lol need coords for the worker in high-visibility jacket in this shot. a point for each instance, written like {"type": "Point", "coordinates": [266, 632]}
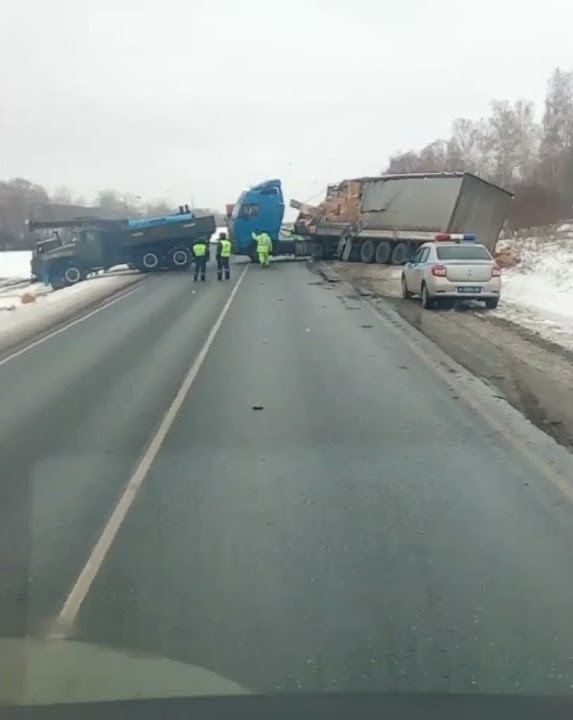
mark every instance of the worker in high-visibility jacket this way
{"type": "Point", "coordinates": [200, 257]}
{"type": "Point", "coordinates": [264, 248]}
{"type": "Point", "coordinates": [224, 247]}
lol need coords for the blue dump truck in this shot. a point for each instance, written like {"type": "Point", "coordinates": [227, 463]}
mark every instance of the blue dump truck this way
{"type": "Point", "coordinates": [87, 245]}
{"type": "Point", "coordinates": [380, 219]}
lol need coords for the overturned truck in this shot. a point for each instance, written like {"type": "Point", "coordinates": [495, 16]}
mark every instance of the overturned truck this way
{"type": "Point", "coordinates": [93, 244]}
{"type": "Point", "coordinates": [384, 219]}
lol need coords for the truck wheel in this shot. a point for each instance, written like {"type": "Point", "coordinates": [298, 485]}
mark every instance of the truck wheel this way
{"type": "Point", "coordinates": [57, 282]}
{"type": "Point", "coordinates": [400, 254]}
{"type": "Point", "coordinates": [427, 299]}
{"type": "Point", "coordinates": [367, 251]}
{"type": "Point", "coordinates": [383, 252]}
{"type": "Point", "coordinates": [149, 261]}
{"type": "Point", "coordinates": [179, 258]}
{"type": "Point", "coordinates": [73, 274]}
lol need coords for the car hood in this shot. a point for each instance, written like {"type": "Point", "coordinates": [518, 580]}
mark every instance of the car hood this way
{"type": "Point", "coordinates": [36, 671]}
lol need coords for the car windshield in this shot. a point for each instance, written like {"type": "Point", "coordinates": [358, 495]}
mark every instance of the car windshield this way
{"type": "Point", "coordinates": [463, 252]}
{"type": "Point", "coordinates": [266, 426]}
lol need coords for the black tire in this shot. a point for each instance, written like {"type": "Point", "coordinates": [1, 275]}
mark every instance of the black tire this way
{"type": "Point", "coordinates": [383, 252]}
{"type": "Point", "coordinates": [57, 282]}
{"type": "Point", "coordinates": [491, 303]}
{"type": "Point", "coordinates": [367, 251]}
{"type": "Point", "coordinates": [179, 258]}
{"type": "Point", "coordinates": [428, 302]}
{"type": "Point", "coordinates": [149, 261]}
{"type": "Point", "coordinates": [400, 254]}
{"type": "Point", "coordinates": [73, 273]}
{"type": "Point", "coordinates": [406, 294]}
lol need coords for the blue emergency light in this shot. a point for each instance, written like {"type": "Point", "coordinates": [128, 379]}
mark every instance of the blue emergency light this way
{"type": "Point", "coordinates": [456, 237]}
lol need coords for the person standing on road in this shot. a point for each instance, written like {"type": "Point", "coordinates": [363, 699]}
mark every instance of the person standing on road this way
{"type": "Point", "coordinates": [200, 256]}
{"type": "Point", "coordinates": [264, 248]}
{"type": "Point", "coordinates": [224, 247]}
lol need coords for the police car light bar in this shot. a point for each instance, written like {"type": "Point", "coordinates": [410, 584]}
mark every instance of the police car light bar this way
{"type": "Point", "coordinates": [456, 237]}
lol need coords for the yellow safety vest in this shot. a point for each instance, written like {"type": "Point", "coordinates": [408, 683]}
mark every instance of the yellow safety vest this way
{"type": "Point", "coordinates": [226, 247]}
{"type": "Point", "coordinates": [200, 249]}
{"type": "Point", "coordinates": [264, 242]}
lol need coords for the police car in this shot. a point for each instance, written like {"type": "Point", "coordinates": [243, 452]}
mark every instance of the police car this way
{"type": "Point", "coordinates": [452, 267]}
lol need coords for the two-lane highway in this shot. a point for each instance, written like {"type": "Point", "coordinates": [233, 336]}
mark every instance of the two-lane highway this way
{"type": "Point", "coordinates": [365, 529]}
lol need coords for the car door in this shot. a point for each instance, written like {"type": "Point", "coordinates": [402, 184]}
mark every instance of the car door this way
{"type": "Point", "coordinates": [414, 271]}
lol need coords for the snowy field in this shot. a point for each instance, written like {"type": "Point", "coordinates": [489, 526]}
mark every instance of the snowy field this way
{"type": "Point", "coordinates": [538, 293]}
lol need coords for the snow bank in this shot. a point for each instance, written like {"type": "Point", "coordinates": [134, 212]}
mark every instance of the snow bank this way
{"type": "Point", "coordinates": [15, 265]}
{"type": "Point", "coordinates": [538, 293]}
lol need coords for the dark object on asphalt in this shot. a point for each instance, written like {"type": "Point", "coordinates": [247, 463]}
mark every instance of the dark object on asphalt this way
{"type": "Point", "coordinates": [366, 327]}
{"type": "Point", "coordinates": [257, 407]}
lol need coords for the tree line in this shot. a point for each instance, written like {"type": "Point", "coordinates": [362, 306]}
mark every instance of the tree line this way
{"type": "Point", "coordinates": [21, 199]}
{"type": "Point", "coordinates": [534, 159]}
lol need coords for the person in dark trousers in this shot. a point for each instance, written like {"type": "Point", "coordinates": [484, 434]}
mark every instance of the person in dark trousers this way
{"type": "Point", "coordinates": [224, 247]}
{"type": "Point", "coordinates": [200, 256]}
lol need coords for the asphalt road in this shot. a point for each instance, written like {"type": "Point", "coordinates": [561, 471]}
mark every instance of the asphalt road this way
{"type": "Point", "coordinates": [365, 530]}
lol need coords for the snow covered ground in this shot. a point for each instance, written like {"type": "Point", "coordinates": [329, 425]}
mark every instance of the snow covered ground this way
{"type": "Point", "coordinates": [538, 293]}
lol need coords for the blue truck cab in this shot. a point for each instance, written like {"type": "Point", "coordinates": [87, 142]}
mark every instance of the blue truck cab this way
{"type": "Point", "coordinates": [261, 208]}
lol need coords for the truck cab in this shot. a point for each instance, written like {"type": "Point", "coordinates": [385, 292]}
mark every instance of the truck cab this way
{"type": "Point", "coordinates": [261, 208]}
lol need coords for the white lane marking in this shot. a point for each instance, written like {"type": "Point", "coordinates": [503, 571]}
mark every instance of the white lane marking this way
{"type": "Point", "coordinates": [69, 325]}
{"type": "Point", "coordinates": [73, 603]}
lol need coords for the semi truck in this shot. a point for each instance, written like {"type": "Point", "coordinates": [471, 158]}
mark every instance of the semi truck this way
{"type": "Point", "coordinates": [380, 219]}
{"type": "Point", "coordinates": [92, 244]}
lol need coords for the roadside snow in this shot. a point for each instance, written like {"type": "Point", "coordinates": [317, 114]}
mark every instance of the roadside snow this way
{"type": "Point", "coordinates": [15, 265]}
{"type": "Point", "coordinates": [538, 293]}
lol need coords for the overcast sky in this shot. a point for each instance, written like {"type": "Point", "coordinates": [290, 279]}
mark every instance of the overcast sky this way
{"type": "Point", "coordinates": [201, 98]}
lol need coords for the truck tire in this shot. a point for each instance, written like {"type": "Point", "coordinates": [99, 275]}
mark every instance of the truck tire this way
{"type": "Point", "coordinates": [367, 251]}
{"type": "Point", "coordinates": [383, 252]}
{"type": "Point", "coordinates": [179, 258]}
{"type": "Point", "coordinates": [57, 281]}
{"type": "Point", "coordinates": [73, 273]}
{"type": "Point", "coordinates": [428, 302]}
{"type": "Point", "coordinates": [149, 261]}
{"type": "Point", "coordinates": [400, 254]}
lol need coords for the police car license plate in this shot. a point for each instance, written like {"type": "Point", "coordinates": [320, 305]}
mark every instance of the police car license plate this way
{"type": "Point", "coordinates": [469, 290]}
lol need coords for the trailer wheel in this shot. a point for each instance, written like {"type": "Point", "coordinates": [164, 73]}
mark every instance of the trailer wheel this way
{"type": "Point", "coordinates": [179, 258]}
{"type": "Point", "coordinates": [73, 273]}
{"type": "Point", "coordinates": [149, 261]}
{"type": "Point", "coordinates": [383, 252]}
{"type": "Point", "coordinates": [400, 254]}
{"type": "Point", "coordinates": [367, 251]}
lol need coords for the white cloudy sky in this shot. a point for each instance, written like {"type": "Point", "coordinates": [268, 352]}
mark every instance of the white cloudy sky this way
{"type": "Point", "coordinates": [181, 98]}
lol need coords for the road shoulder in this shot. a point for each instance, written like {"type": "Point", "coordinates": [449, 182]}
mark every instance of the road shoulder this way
{"type": "Point", "coordinates": [533, 375]}
{"type": "Point", "coordinates": [38, 322]}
